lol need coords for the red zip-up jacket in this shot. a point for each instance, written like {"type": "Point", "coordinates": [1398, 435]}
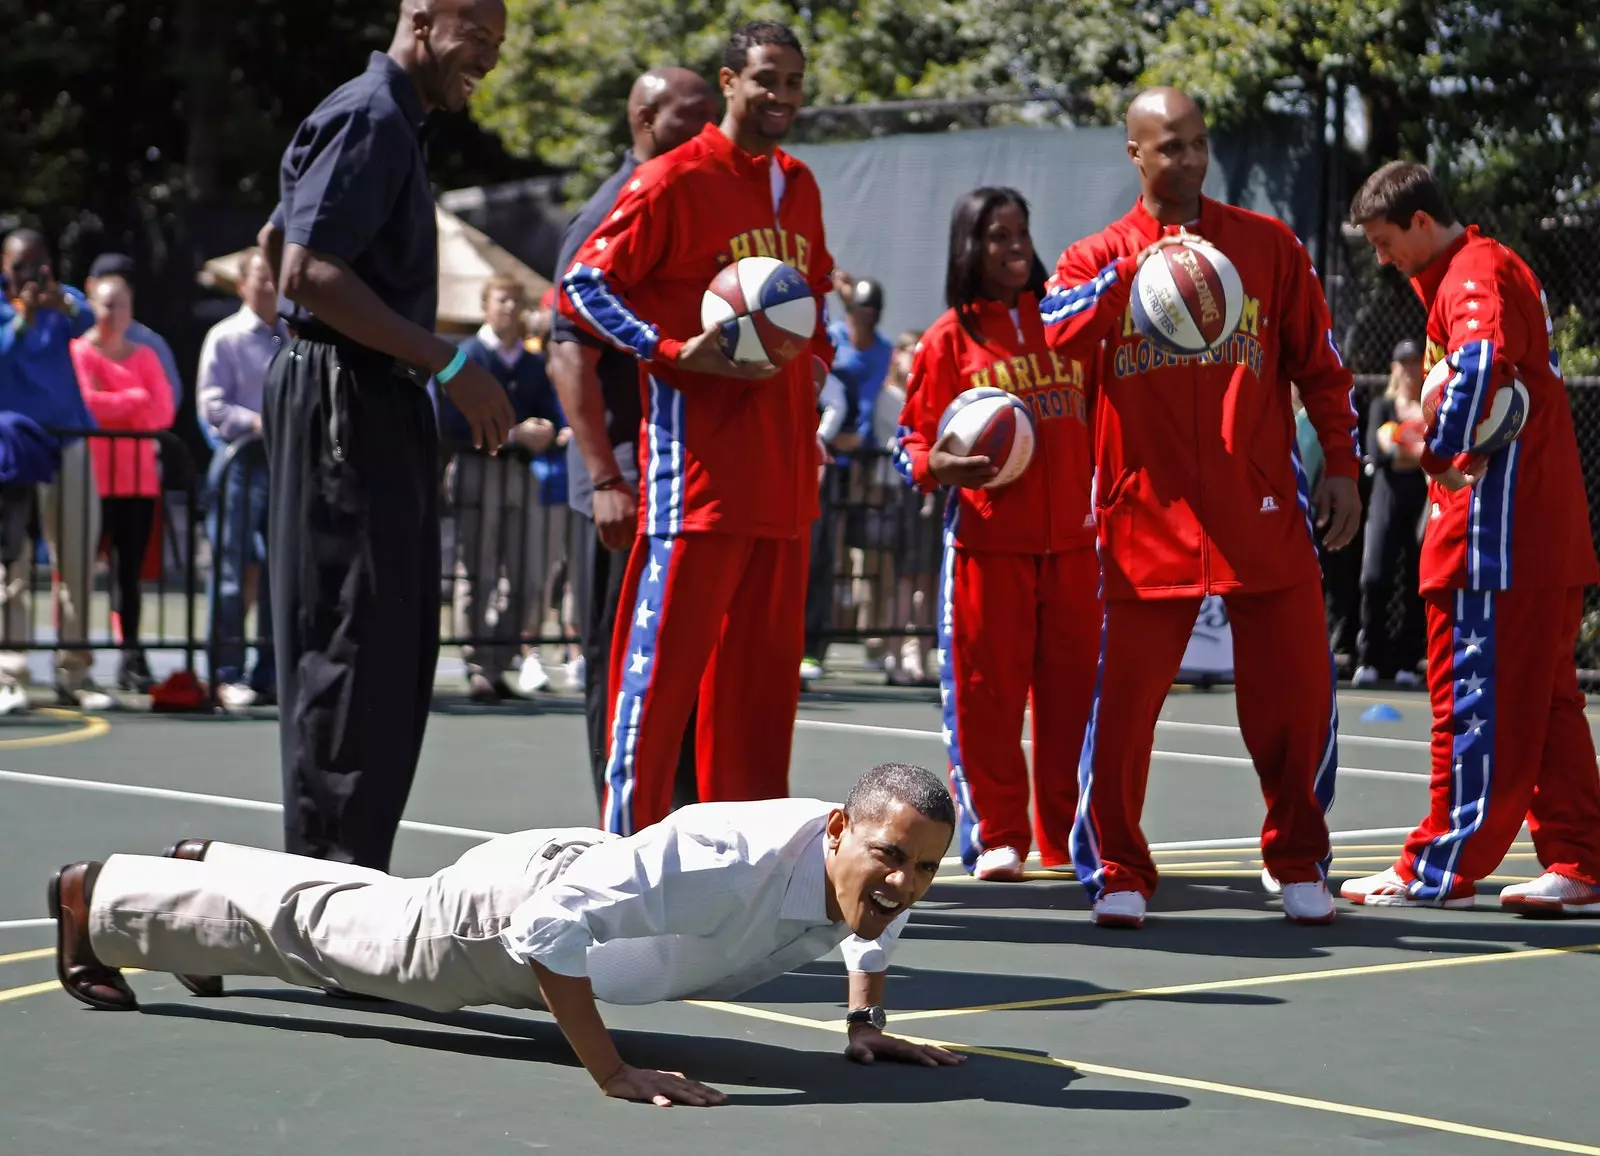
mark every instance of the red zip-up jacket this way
{"type": "Point", "coordinates": [1046, 510]}
{"type": "Point", "coordinates": [716, 453]}
{"type": "Point", "coordinates": [1526, 521]}
{"type": "Point", "coordinates": [1199, 488]}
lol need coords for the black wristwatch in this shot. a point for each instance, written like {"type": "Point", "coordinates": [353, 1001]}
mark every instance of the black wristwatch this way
{"type": "Point", "coordinates": [866, 1015]}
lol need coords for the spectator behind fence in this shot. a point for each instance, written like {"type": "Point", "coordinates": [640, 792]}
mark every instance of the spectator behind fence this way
{"type": "Point", "coordinates": [860, 364]}
{"type": "Point", "coordinates": [233, 372]}
{"type": "Point", "coordinates": [1390, 554]}
{"type": "Point", "coordinates": [125, 388]}
{"type": "Point", "coordinates": [122, 265]}
{"type": "Point", "coordinates": [500, 549]}
{"type": "Point", "coordinates": [917, 538]}
{"type": "Point", "coordinates": [39, 317]}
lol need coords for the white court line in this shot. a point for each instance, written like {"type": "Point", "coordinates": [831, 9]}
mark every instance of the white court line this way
{"type": "Point", "coordinates": [213, 800]}
{"type": "Point", "coordinates": [12, 924]}
{"type": "Point", "coordinates": [1175, 756]}
{"type": "Point", "coordinates": [1168, 724]}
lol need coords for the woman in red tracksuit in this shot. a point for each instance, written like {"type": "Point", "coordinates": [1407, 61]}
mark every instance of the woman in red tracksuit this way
{"type": "Point", "coordinates": [1019, 605]}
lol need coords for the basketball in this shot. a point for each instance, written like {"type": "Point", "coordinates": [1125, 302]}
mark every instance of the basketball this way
{"type": "Point", "coordinates": [991, 423]}
{"type": "Point", "coordinates": [1187, 298]}
{"type": "Point", "coordinates": [1502, 419]}
{"type": "Point", "coordinates": [764, 309]}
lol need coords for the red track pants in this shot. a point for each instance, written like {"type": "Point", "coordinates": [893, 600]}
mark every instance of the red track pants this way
{"type": "Point", "coordinates": [1009, 623]}
{"type": "Point", "coordinates": [1510, 740]}
{"type": "Point", "coordinates": [1288, 717]}
{"type": "Point", "coordinates": [717, 614]}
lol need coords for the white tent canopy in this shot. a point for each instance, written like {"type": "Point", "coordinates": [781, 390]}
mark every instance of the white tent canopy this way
{"type": "Point", "coordinates": [467, 258]}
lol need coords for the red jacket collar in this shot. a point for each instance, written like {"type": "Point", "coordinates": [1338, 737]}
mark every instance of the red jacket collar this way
{"type": "Point", "coordinates": [1427, 282]}
{"type": "Point", "coordinates": [735, 157]}
{"type": "Point", "coordinates": [1152, 229]}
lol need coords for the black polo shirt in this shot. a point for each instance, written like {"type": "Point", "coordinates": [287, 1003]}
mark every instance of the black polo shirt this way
{"type": "Point", "coordinates": [354, 185]}
{"type": "Point", "coordinates": [618, 371]}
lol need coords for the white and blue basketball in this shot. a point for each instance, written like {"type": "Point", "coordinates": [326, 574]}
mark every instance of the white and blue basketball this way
{"type": "Point", "coordinates": [991, 423]}
{"type": "Point", "coordinates": [764, 309]}
{"type": "Point", "coordinates": [1187, 298]}
{"type": "Point", "coordinates": [1502, 420]}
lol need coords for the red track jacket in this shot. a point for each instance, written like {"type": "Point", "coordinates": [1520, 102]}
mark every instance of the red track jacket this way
{"type": "Point", "coordinates": [1527, 519]}
{"type": "Point", "coordinates": [715, 453]}
{"type": "Point", "coordinates": [1046, 510]}
{"type": "Point", "coordinates": [1199, 486]}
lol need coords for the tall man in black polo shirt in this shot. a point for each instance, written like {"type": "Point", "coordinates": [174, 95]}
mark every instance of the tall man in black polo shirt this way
{"type": "Point", "coordinates": [599, 389]}
{"type": "Point", "coordinates": [353, 524]}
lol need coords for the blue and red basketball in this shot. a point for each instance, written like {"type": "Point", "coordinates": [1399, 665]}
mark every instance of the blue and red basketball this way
{"type": "Point", "coordinates": [1502, 418]}
{"type": "Point", "coordinates": [1188, 298]}
{"type": "Point", "coordinates": [991, 423]}
{"type": "Point", "coordinates": [763, 308]}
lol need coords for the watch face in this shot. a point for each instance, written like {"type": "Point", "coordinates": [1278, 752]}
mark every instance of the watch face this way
{"type": "Point", "coordinates": [867, 1015]}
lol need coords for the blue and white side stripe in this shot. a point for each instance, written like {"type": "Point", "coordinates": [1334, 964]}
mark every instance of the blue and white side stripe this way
{"type": "Point", "coordinates": [663, 481]}
{"type": "Point", "coordinates": [1062, 304]}
{"type": "Point", "coordinates": [1350, 397]}
{"type": "Point", "coordinates": [637, 672]}
{"type": "Point", "coordinates": [966, 814]}
{"type": "Point", "coordinates": [901, 459]}
{"type": "Point", "coordinates": [1324, 784]}
{"type": "Point", "coordinates": [1465, 395]}
{"type": "Point", "coordinates": [1491, 521]}
{"type": "Point", "coordinates": [1472, 749]}
{"type": "Point", "coordinates": [1083, 844]}
{"type": "Point", "coordinates": [586, 287]}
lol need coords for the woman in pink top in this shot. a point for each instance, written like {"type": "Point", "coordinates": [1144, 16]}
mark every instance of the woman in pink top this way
{"type": "Point", "coordinates": [125, 388]}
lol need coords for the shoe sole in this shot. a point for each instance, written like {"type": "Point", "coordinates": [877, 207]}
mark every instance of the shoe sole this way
{"type": "Point", "coordinates": [1545, 909]}
{"type": "Point", "coordinates": [53, 902]}
{"type": "Point", "coordinates": [1312, 920]}
{"type": "Point", "coordinates": [1000, 875]}
{"type": "Point", "coordinates": [1370, 899]}
{"type": "Point", "coordinates": [1131, 922]}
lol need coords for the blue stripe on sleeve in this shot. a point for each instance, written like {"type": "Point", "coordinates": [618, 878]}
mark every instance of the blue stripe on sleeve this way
{"type": "Point", "coordinates": [587, 289]}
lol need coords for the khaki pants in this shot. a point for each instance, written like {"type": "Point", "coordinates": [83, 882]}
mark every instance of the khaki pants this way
{"type": "Point", "coordinates": [431, 942]}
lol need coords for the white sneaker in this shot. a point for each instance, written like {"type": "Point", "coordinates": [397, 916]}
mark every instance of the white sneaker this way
{"type": "Point", "coordinates": [1001, 864]}
{"type": "Point", "coordinates": [1408, 679]}
{"type": "Point", "coordinates": [1271, 884]}
{"type": "Point", "coordinates": [577, 672]}
{"type": "Point", "coordinates": [1387, 889]}
{"type": "Point", "coordinates": [1552, 894]}
{"type": "Point", "coordinates": [13, 699]}
{"type": "Point", "coordinates": [532, 677]}
{"type": "Point", "coordinates": [1119, 909]}
{"type": "Point", "coordinates": [810, 669]}
{"type": "Point", "coordinates": [1365, 676]}
{"type": "Point", "coordinates": [236, 696]}
{"type": "Point", "coordinates": [1308, 903]}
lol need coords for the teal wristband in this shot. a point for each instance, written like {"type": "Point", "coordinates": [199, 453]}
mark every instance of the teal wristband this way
{"type": "Point", "coordinates": [444, 375]}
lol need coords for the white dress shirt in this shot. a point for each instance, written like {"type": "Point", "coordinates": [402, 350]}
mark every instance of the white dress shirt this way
{"type": "Point", "coordinates": [714, 900]}
{"type": "Point", "coordinates": [233, 372]}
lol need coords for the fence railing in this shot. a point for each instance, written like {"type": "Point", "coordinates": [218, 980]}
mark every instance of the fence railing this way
{"type": "Point", "coordinates": [105, 558]}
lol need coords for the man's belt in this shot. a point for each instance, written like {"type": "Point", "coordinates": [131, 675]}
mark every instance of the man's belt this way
{"type": "Point", "coordinates": [358, 357]}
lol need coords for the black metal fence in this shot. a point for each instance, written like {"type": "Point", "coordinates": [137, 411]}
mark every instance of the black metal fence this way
{"type": "Point", "coordinates": [99, 560]}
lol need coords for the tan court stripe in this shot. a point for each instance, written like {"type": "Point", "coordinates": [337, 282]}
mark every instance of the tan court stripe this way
{"type": "Point", "coordinates": [12, 993]}
{"type": "Point", "coordinates": [1160, 1079]}
{"type": "Point", "coordinates": [93, 727]}
{"type": "Point", "coordinates": [19, 956]}
{"type": "Point", "coordinates": [1258, 981]}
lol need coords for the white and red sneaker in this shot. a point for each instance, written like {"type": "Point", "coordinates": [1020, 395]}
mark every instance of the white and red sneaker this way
{"type": "Point", "coordinates": [1308, 903]}
{"type": "Point", "coordinates": [1552, 894]}
{"type": "Point", "coordinates": [999, 865]}
{"type": "Point", "coordinates": [1388, 889]}
{"type": "Point", "coordinates": [1119, 909]}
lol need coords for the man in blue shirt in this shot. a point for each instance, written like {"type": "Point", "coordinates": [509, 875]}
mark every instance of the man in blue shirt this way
{"type": "Point", "coordinates": [352, 443]}
{"type": "Point", "coordinates": [39, 317]}
{"type": "Point", "coordinates": [599, 388]}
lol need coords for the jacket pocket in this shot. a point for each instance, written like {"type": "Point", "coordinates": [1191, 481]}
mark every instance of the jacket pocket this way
{"type": "Point", "coordinates": [1108, 500]}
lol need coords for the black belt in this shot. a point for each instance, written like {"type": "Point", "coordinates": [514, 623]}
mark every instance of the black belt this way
{"type": "Point", "coordinates": [357, 356]}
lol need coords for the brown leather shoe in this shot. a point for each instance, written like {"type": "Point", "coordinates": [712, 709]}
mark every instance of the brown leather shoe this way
{"type": "Point", "coordinates": [194, 850]}
{"type": "Point", "coordinates": [78, 969]}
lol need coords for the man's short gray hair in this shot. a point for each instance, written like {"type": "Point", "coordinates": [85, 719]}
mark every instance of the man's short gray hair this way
{"type": "Point", "coordinates": [900, 783]}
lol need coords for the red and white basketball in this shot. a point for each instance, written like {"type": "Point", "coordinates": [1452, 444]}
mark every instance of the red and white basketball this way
{"type": "Point", "coordinates": [1187, 298]}
{"type": "Point", "coordinates": [764, 308]}
{"type": "Point", "coordinates": [1503, 416]}
{"type": "Point", "coordinates": [991, 423]}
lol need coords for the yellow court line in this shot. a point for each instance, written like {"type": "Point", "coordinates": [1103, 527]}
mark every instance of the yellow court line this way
{"type": "Point", "coordinates": [31, 989]}
{"type": "Point", "coordinates": [93, 727]}
{"type": "Point", "coordinates": [1162, 1080]}
{"type": "Point", "coordinates": [19, 956]}
{"type": "Point", "coordinates": [1256, 981]}
{"type": "Point", "coordinates": [1339, 850]}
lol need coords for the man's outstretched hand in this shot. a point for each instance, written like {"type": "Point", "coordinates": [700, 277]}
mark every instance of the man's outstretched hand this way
{"type": "Point", "coordinates": [868, 1045]}
{"type": "Point", "coordinates": [663, 1089]}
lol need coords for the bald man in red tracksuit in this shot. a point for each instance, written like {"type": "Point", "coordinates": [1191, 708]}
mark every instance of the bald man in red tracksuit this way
{"type": "Point", "coordinates": [1199, 489]}
{"type": "Point", "coordinates": [714, 595]}
{"type": "Point", "coordinates": [1504, 564]}
{"type": "Point", "coordinates": [1019, 603]}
